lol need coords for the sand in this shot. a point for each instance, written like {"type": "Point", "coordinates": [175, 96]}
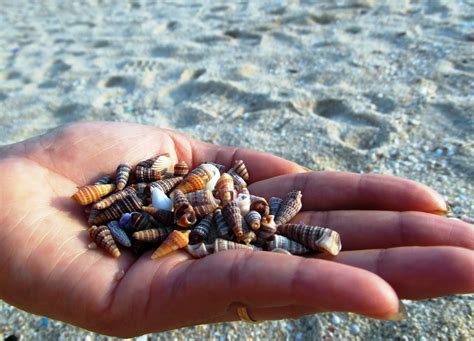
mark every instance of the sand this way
{"type": "Point", "coordinates": [363, 86]}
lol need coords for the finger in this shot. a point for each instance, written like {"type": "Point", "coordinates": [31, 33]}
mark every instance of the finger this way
{"type": "Point", "coordinates": [361, 230]}
{"type": "Point", "coordinates": [340, 190]}
{"type": "Point", "coordinates": [417, 272]}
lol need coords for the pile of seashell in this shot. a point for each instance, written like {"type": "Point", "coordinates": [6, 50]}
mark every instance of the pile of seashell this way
{"type": "Point", "coordinates": [205, 210]}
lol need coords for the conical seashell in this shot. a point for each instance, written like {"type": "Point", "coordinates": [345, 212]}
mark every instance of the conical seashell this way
{"type": "Point", "coordinates": [233, 218]}
{"type": "Point", "coordinates": [243, 200]}
{"type": "Point", "coordinates": [240, 168]}
{"type": "Point", "coordinates": [239, 183]}
{"type": "Point", "coordinates": [141, 189]}
{"type": "Point", "coordinates": [151, 235]}
{"type": "Point", "coordinates": [279, 250]}
{"type": "Point", "coordinates": [213, 174]}
{"type": "Point", "coordinates": [102, 237]}
{"type": "Point", "coordinates": [201, 230]}
{"type": "Point", "coordinates": [289, 208]}
{"type": "Point", "coordinates": [181, 169]}
{"type": "Point", "coordinates": [225, 188]}
{"type": "Point", "coordinates": [89, 194]}
{"type": "Point", "coordinates": [143, 221]}
{"type": "Point", "coordinates": [267, 229]}
{"type": "Point", "coordinates": [143, 174]}
{"type": "Point", "coordinates": [223, 228]}
{"type": "Point", "coordinates": [281, 242]}
{"type": "Point", "coordinates": [122, 174]}
{"type": "Point", "coordinates": [161, 216]}
{"type": "Point", "coordinates": [109, 200]}
{"type": "Point", "coordinates": [160, 201]}
{"type": "Point", "coordinates": [204, 210]}
{"type": "Point", "coordinates": [313, 237]}
{"type": "Point", "coordinates": [149, 162]}
{"type": "Point", "coordinates": [192, 183]}
{"type": "Point", "coordinates": [92, 215]}
{"type": "Point", "coordinates": [220, 167]}
{"type": "Point", "coordinates": [118, 234]}
{"type": "Point", "coordinates": [184, 214]}
{"type": "Point", "coordinates": [128, 204]}
{"type": "Point", "coordinates": [175, 240]}
{"type": "Point", "coordinates": [162, 163]}
{"type": "Point", "coordinates": [166, 185]}
{"type": "Point", "coordinates": [125, 222]}
{"type": "Point", "coordinates": [223, 245]}
{"type": "Point", "coordinates": [253, 219]}
{"type": "Point", "coordinates": [202, 197]}
{"type": "Point", "coordinates": [197, 250]}
{"type": "Point", "coordinates": [274, 204]}
{"type": "Point", "coordinates": [259, 204]}
{"type": "Point", "coordinates": [203, 170]}
{"type": "Point", "coordinates": [106, 179]}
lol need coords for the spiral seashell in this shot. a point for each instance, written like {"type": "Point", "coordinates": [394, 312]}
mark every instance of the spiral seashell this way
{"type": "Point", "coordinates": [143, 221]}
{"type": "Point", "coordinates": [259, 204]}
{"type": "Point", "coordinates": [141, 189]}
{"type": "Point", "coordinates": [240, 168]}
{"type": "Point", "coordinates": [239, 183]}
{"type": "Point", "coordinates": [201, 231]}
{"type": "Point", "coordinates": [243, 200]}
{"type": "Point", "coordinates": [279, 250]}
{"type": "Point", "coordinates": [181, 169]}
{"type": "Point", "coordinates": [89, 194]}
{"type": "Point", "coordinates": [253, 219]}
{"type": "Point", "coordinates": [197, 250]}
{"type": "Point", "coordinates": [161, 216]}
{"type": "Point", "coordinates": [203, 170]}
{"type": "Point", "coordinates": [125, 222]}
{"type": "Point", "coordinates": [151, 235]}
{"type": "Point", "coordinates": [92, 215]}
{"type": "Point", "coordinates": [166, 185]}
{"type": "Point", "coordinates": [213, 174]}
{"type": "Point", "coordinates": [102, 237]}
{"type": "Point", "coordinates": [313, 237]}
{"type": "Point", "coordinates": [109, 200]}
{"type": "Point", "coordinates": [220, 168]}
{"type": "Point", "coordinates": [223, 228]}
{"type": "Point", "coordinates": [149, 162]}
{"type": "Point", "coordinates": [121, 175]}
{"type": "Point", "coordinates": [106, 179]}
{"type": "Point", "coordinates": [162, 163]}
{"type": "Point", "coordinates": [267, 229]}
{"type": "Point", "coordinates": [175, 240]}
{"type": "Point", "coordinates": [143, 174]}
{"type": "Point", "coordinates": [233, 218]}
{"type": "Point", "coordinates": [225, 188]}
{"type": "Point", "coordinates": [202, 197]}
{"type": "Point", "coordinates": [289, 208]}
{"type": "Point", "coordinates": [184, 214]}
{"type": "Point", "coordinates": [274, 204]}
{"type": "Point", "coordinates": [204, 210]}
{"type": "Point", "coordinates": [118, 234]}
{"type": "Point", "coordinates": [282, 242]}
{"type": "Point", "coordinates": [223, 245]}
{"type": "Point", "coordinates": [160, 201]}
{"type": "Point", "coordinates": [128, 204]}
{"type": "Point", "coordinates": [192, 183]}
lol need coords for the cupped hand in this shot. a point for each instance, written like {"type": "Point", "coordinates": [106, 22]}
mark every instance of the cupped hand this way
{"type": "Point", "coordinates": [393, 247]}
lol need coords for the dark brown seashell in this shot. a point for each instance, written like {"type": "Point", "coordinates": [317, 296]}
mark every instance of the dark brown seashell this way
{"type": "Point", "coordinates": [166, 185]}
{"type": "Point", "coordinates": [162, 216]}
{"type": "Point", "coordinates": [184, 214]}
{"type": "Point", "coordinates": [282, 242]}
{"type": "Point", "coordinates": [274, 204]}
{"type": "Point", "coordinates": [267, 229]}
{"type": "Point", "coordinates": [223, 228]}
{"type": "Point", "coordinates": [102, 237]}
{"type": "Point", "coordinates": [122, 174]}
{"type": "Point", "coordinates": [143, 221]}
{"type": "Point", "coordinates": [181, 169]}
{"type": "Point", "coordinates": [143, 174]}
{"type": "Point", "coordinates": [239, 183]}
{"type": "Point", "coordinates": [253, 219]}
{"type": "Point", "coordinates": [92, 214]}
{"type": "Point", "coordinates": [108, 201]}
{"type": "Point", "coordinates": [201, 197]}
{"type": "Point", "coordinates": [151, 235]}
{"type": "Point", "coordinates": [259, 204]}
{"type": "Point", "coordinates": [240, 168]}
{"type": "Point", "coordinates": [106, 179]}
{"type": "Point", "coordinates": [88, 194]}
{"type": "Point", "coordinates": [233, 218]}
{"type": "Point", "coordinates": [128, 204]}
{"type": "Point", "coordinates": [201, 231]}
{"type": "Point", "coordinates": [204, 210]}
{"type": "Point", "coordinates": [289, 208]}
{"type": "Point", "coordinates": [148, 162]}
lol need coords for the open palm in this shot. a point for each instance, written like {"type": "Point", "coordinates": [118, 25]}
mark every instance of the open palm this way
{"type": "Point", "coordinates": [47, 269]}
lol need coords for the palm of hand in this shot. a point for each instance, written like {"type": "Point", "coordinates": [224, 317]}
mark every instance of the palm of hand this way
{"type": "Point", "coordinates": [47, 268]}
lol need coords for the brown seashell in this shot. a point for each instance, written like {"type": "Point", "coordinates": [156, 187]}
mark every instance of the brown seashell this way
{"type": "Point", "coordinates": [121, 175]}
{"type": "Point", "coordinates": [181, 169]}
{"type": "Point", "coordinates": [204, 210]}
{"type": "Point", "coordinates": [184, 214]}
{"type": "Point", "coordinates": [239, 183]}
{"type": "Point", "coordinates": [92, 215]}
{"type": "Point", "coordinates": [143, 221]}
{"type": "Point", "coordinates": [233, 218]}
{"type": "Point", "coordinates": [89, 194]}
{"type": "Point", "coordinates": [240, 168]}
{"type": "Point", "coordinates": [149, 162]}
{"type": "Point", "coordinates": [166, 185]}
{"type": "Point", "coordinates": [267, 229]}
{"type": "Point", "coordinates": [102, 237]}
{"type": "Point", "coordinates": [151, 235]}
{"type": "Point", "coordinates": [201, 231]}
{"type": "Point", "coordinates": [175, 240]}
{"type": "Point", "coordinates": [289, 208]}
{"type": "Point", "coordinates": [143, 174]}
{"type": "Point", "coordinates": [275, 204]}
{"type": "Point", "coordinates": [162, 163]}
{"type": "Point", "coordinates": [192, 183]}
{"type": "Point", "coordinates": [225, 188]}
{"type": "Point", "coordinates": [253, 219]}
{"type": "Point", "coordinates": [197, 250]}
{"type": "Point", "coordinates": [106, 179]}
{"type": "Point", "coordinates": [202, 197]}
{"type": "Point", "coordinates": [223, 245]}
{"type": "Point", "coordinates": [223, 228]}
{"type": "Point", "coordinates": [108, 201]}
{"type": "Point", "coordinates": [128, 204]}
{"type": "Point", "coordinates": [282, 242]}
{"type": "Point", "coordinates": [259, 204]}
{"type": "Point", "coordinates": [313, 237]}
{"type": "Point", "coordinates": [162, 216]}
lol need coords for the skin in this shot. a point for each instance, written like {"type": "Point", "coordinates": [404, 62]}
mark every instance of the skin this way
{"type": "Point", "coordinates": [393, 245]}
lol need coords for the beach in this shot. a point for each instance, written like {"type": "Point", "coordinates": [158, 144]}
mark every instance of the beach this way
{"type": "Point", "coordinates": [363, 86]}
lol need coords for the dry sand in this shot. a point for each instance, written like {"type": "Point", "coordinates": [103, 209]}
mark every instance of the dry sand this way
{"type": "Point", "coordinates": [364, 86]}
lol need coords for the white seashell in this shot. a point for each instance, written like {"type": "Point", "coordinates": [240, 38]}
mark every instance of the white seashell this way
{"type": "Point", "coordinates": [211, 184]}
{"type": "Point", "coordinates": [243, 201]}
{"type": "Point", "coordinates": [160, 201]}
{"type": "Point", "coordinates": [162, 163]}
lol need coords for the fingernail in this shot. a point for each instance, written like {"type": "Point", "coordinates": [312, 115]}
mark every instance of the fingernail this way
{"type": "Point", "coordinates": [306, 168]}
{"type": "Point", "coordinates": [446, 210]}
{"type": "Point", "coordinates": [401, 314]}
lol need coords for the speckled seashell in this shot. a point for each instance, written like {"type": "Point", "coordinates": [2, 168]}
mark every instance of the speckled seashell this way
{"type": "Point", "coordinates": [281, 242]}
{"type": "Point", "coordinates": [102, 237]}
{"type": "Point", "coordinates": [289, 208]}
{"type": "Point", "coordinates": [253, 219]}
{"type": "Point", "coordinates": [243, 200]}
{"type": "Point", "coordinates": [118, 234]}
{"type": "Point", "coordinates": [192, 183]}
{"type": "Point", "coordinates": [106, 179]}
{"type": "Point", "coordinates": [200, 232]}
{"type": "Point", "coordinates": [166, 185]}
{"type": "Point", "coordinates": [109, 200]}
{"type": "Point", "coordinates": [220, 167]}
{"type": "Point", "coordinates": [279, 250]}
{"type": "Point", "coordinates": [239, 183]}
{"type": "Point", "coordinates": [122, 174]}
{"type": "Point", "coordinates": [267, 229]}
{"type": "Point", "coordinates": [202, 197]}
{"type": "Point", "coordinates": [225, 188]}
{"type": "Point", "coordinates": [313, 237]}
{"type": "Point", "coordinates": [240, 168]}
{"type": "Point", "coordinates": [88, 194]}
{"type": "Point", "coordinates": [160, 200]}
{"type": "Point", "coordinates": [125, 222]}
{"type": "Point", "coordinates": [274, 204]}
{"type": "Point", "coordinates": [184, 214]}
{"type": "Point", "coordinates": [223, 245]}
{"type": "Point", "coordinates": [197, 250]}
{"type": "Point", "coordinates": [223, 228]}
{"type": "Point", "coordinates": [162, 163]}
{"type": "Point", "coordinates": [161, 216]}
{"type": "Point", "coordinates": [204, 210]}
{"type": "Point", "coordinates": [143, 174]}
{"type": "Point", "coordinates": [151, 235]}
{"type": "Point", "coordinates": [181, 169]}
{"type": "Point", "coordinates": [128, 204]}
{"type": "Point", "coordinates": [175, 240]}
{"type": "Point", "coordinates": [143, 221]}
{"type": "Point", "coordinates": [259, 204]}
{"type": "Point", "coordinates": [233, 218]}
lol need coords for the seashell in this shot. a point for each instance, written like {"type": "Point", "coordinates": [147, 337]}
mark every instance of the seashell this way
{"type": "Point", "coordinates": [225, 188]}
{"type": "Point", "coordinates": [160, 201]}
{"type": "Point", "coordinates": [253, 219]}
{"type": "Point", "coordinates": [223, 228]}
{"type": "Point", "coordinates": [162, 163]}
{"type": "Point", "coordinates": [243, 200]}
{"type": "Point", "coordinates": [197, 250]}
{"type": "Point", "coordinates": [220, 168]}
{"type": "Point", "coordinates": [125, 222]}
{"type": "Point", "coordinates": [102, 237]}
{"type": "Point", "coordinates": [233, 218]}
{"type": "Point", "coordinates": [204, 210]}
{"type": "Point", "coordinates": [248, 236]}
{"type": "Point", "coordinates": [143, 174]}
{"type": "Point", "coordinates": [149, 162]}
{"type": "Point", "coordinates": [181, 169]}
{"type": "Point", "coordinates": [239, 183]}
{"type": "Point", "coordinates": [166, 185]}
{"type": "Point", "coordinates": [168, 175]}
{"type": "Point", "coordinates": [223, 245]}
{"type": "Point", "coordinates": [89, 194]}
{"type": "Point", "coordinates": [108, 201]}
{"type": "Point", "coordinates": [281, 242]}
{"type": "Point", "coordinates": [161, 216]}
{"type": "Point", "coordinates": [267, 229]}
{"type": "Point", "coordinates": [92, 215]}
{"type": "Point", "coordinates": [201, 231]}
{"type": "Point", "coordinates": [313, 237]}
{"type": "Point", "coordinates": [151, 235]}
{"type": "Point", "coordinates": [143, 221]}
{"type": "Point", "coordinates": [279, 250]}
{"type": "Point", "coordinates": [289, 208]}
{"type": "Point", "coordinates": [184, 214]}
{"type": "Point", "coordinates": [141, 189]}
{"type": "Point", "coordinates": [259, 204]}
{"type": "Point", "coordinates": [202, 197]}
{"type": "Point", "coordinates": [121, 175]}
{"type": "Point", "coordinates": [118, 234]}
{"type": "Point", "coordinates": [106, 179]}
{"type": "Point", "coordinates": [175, 240]}
{"type": "Point", "coordinates": [203, 170]}
{"type": "Point", "coordinates": [213, 174]}
{"type": "Point", "coordinates": [192, 183]}
{"type": "Point", "coordinates": [240, 168]}
{"type": "Point", "coordinates": [128, 204]}
{"type": "Point", "coordinates": [274, 204]}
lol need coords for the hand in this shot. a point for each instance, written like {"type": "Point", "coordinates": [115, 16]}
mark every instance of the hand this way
{"type": "Point", "coordinates": [47, 269]}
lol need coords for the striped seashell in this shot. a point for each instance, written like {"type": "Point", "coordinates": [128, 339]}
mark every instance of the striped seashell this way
{"type": "Point", "coordinates": [233, 218]}
{"type": "Point", "coordinates": [161, 216]}
{"type": "Point", "coordinates": [289, 208]}
{"type": "Point", "coordinates": [225, 188]}
{"type": "Point", "coordinates": [279, 250]}
{"type": "Point", "coordinates": [176, 240]}
{"type": "Point", "coordinates": [202, 197]}
{"type": "Point", "coordinates": [148, 162]}
{"type": "Point", "coordinates": [248, 237]}
{"type": "Point", "coordinates": [122, 174]}
{"type": "Point", "coordinates": [223, 228]}
{"type": "Point", "coordinates": [92, 215]}
{"type": "Point", "coordinates": [88, 194]}
{"type": "Point", "coordinates": [106, 179]}
{"type": "Point", "coordinates": [128, 204]}
{"type": "Point", "coordinates": [118, 234]}
{"type": "Point", "coordinates": [223, 245]}
{"type": "Point", "coordinates": [184, 214]}
{"type": "Point", "coordinates": [109, 200]}
{"type": "Point", "coordinates": [240, 168]}
{"type": "Point", "coordinates": [160, 200]}
{"type": "Point", "coordinates": [239, 183]}
{"type": "Point", "coordinates": [200, 232]}
{"type": "Point", "coordinates": [168, 175]}
{"type": "Point", "coordinates": [313, 237]}
{"type": "Point", "coordinates": [181, 169]}
{"type": "Point", "coordinates": [151, 235]}
{"type": "Point", "coordinates": [203, 170]}
{"type": "Point", "coordinates": [213, 234]}
{"type": "Point", "coordinates": [143, 221]}
{"type": "Point", "coordinates": [243, 200]}
{"type": "Point", "coordinates": [213, 174]}
{"type": "Point", "coordinates": [125, 222]}
{"type": "Point", "coordinates": [282, 242]}
{"type": "Point", "coordinates": [162, 163]}
{"type": "Point", "coordinates": [204, 210]}
{"type": "Point", "coordinates": [259, 204]}
{"type": "Point", "coordinates": [102, 237]}
{"type": "Point", "coordinates": [253, 219]}
{"type": "Point", "coordinates": [220, 168]}
{"type": "Point", "coordinates": [141, 189]}
{"type": "Point", "coordinates": [143, 174]}
{"type": "Point", "coordinates": [166, 185]}
{"type": "Point", "coordinates": [274, 204]}
{"type": "Point", "coordinates": [197, 250]}
{"type": "Point", "coordinates": [192, 183]}
{"type": "Point", "coordinates": [267, 229]}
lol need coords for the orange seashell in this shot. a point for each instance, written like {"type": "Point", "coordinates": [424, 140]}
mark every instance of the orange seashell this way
{"type": "Point", "coordinates": [184, 214]}
{"type": "Point", "coordinates": [267, 229]}
{"type": "Point", "coordinates": [289, 208]}
{"type": "Point", "coordinates": [240, 168]}
{"type": "Point", "coordinates": [225, 188]}
{"type": "Point", "coordinates": [108, 201]}
{"type": "Point", "coordinates": [151, 235]}
{"type": "Point", "coordinates": [89, 194]}
{"type": "Point", "coordinates": [102, 237]}
{"type": "Point", "coordinates": [166, 185]}
{"type": "Point", "coordinates": [176, 240]}
{"type": "Point", "coordinates": [181, 169]}
{"type": "Point", "coordinates": [122, 175]}
{"type": "Point", "coordinates": [193, 183]}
